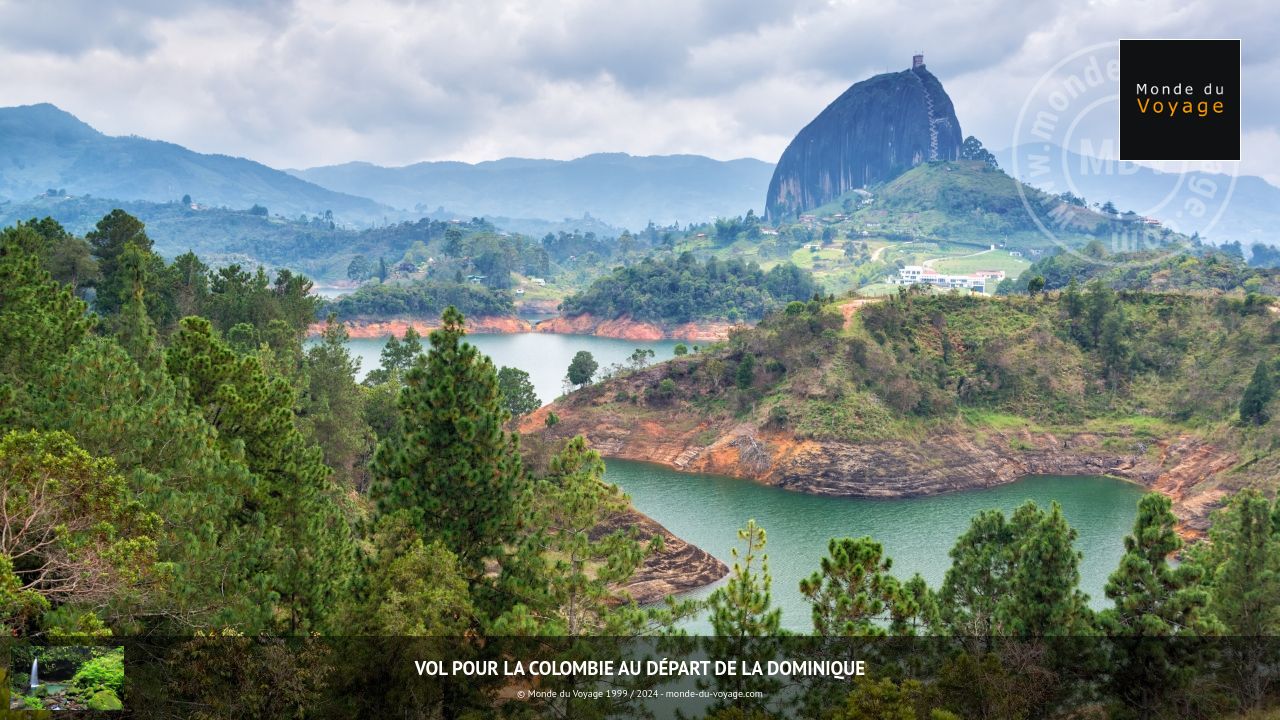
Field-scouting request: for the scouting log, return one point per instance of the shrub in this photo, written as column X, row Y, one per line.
column 779, row 417
column 663, row 393
column 32, row 703
column 105, row 699
column 106, row 671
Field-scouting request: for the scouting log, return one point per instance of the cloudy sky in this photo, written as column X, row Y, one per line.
column 298, row 83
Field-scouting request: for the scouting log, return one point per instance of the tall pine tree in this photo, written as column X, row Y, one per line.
column 452, row 467
column 745, row 623
column 253, row 413
column 1152, row 598
column 982, row 564
column 109, row 240
column 1155, row 607
column 40, row 321
column 1242, row 567
column 1043, row 598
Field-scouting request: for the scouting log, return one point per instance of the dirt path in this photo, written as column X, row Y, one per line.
column 875, row 255
column 929, row 263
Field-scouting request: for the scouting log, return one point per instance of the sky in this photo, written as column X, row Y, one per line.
column 301, row 83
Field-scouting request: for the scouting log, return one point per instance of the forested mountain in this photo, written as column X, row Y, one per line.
column 976, row 203
column 43, row 148
column 623, row 190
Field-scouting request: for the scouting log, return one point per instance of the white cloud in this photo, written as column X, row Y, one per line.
column 312, row 82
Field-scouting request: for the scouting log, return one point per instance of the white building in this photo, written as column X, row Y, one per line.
column 981, row 281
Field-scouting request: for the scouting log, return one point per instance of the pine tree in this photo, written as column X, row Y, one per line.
column 1257, row 395
column 982, row 564
column 211, row 547
column 583, row 567
column 452, row 467
column 109, row 240
column 408, row 588
column 40, row 321
column 312, row 565
column 332, row 409
column 744, row 622
column 133, row 326
column 398, row 356
column 1071, row 300
column 1151, row 598
column 743, row 606
column 854, row 594
column 1043, row 598
column 1015, row 576
column 1152, row 603
column 1242, row 566
column 1246, row 575
column 1098, row 302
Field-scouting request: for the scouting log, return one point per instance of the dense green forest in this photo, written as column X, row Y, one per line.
column 680, row 289
column 213, row 443
column 325, row 250
column 422, row 298
column 175, row 462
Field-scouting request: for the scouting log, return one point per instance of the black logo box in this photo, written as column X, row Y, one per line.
column 1185, row 67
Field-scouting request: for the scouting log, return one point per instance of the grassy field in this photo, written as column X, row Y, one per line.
column 989, row 260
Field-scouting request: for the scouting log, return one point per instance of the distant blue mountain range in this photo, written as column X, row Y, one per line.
column 1252, row 214
column 43, row 148
column 619, row 189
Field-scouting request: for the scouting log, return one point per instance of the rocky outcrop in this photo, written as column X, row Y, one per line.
column 1185, row 468
column 878, row 129
column 680, row 566
column 496, row 325
column 627, row 329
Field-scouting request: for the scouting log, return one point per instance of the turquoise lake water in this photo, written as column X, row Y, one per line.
column 708, row 510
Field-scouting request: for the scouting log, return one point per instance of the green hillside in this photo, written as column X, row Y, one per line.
column 1197, row 268
column 974, row 203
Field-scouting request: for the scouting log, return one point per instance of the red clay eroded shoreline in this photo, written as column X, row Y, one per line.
column 374, row 329
column 622, row 329
column 627, row 329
